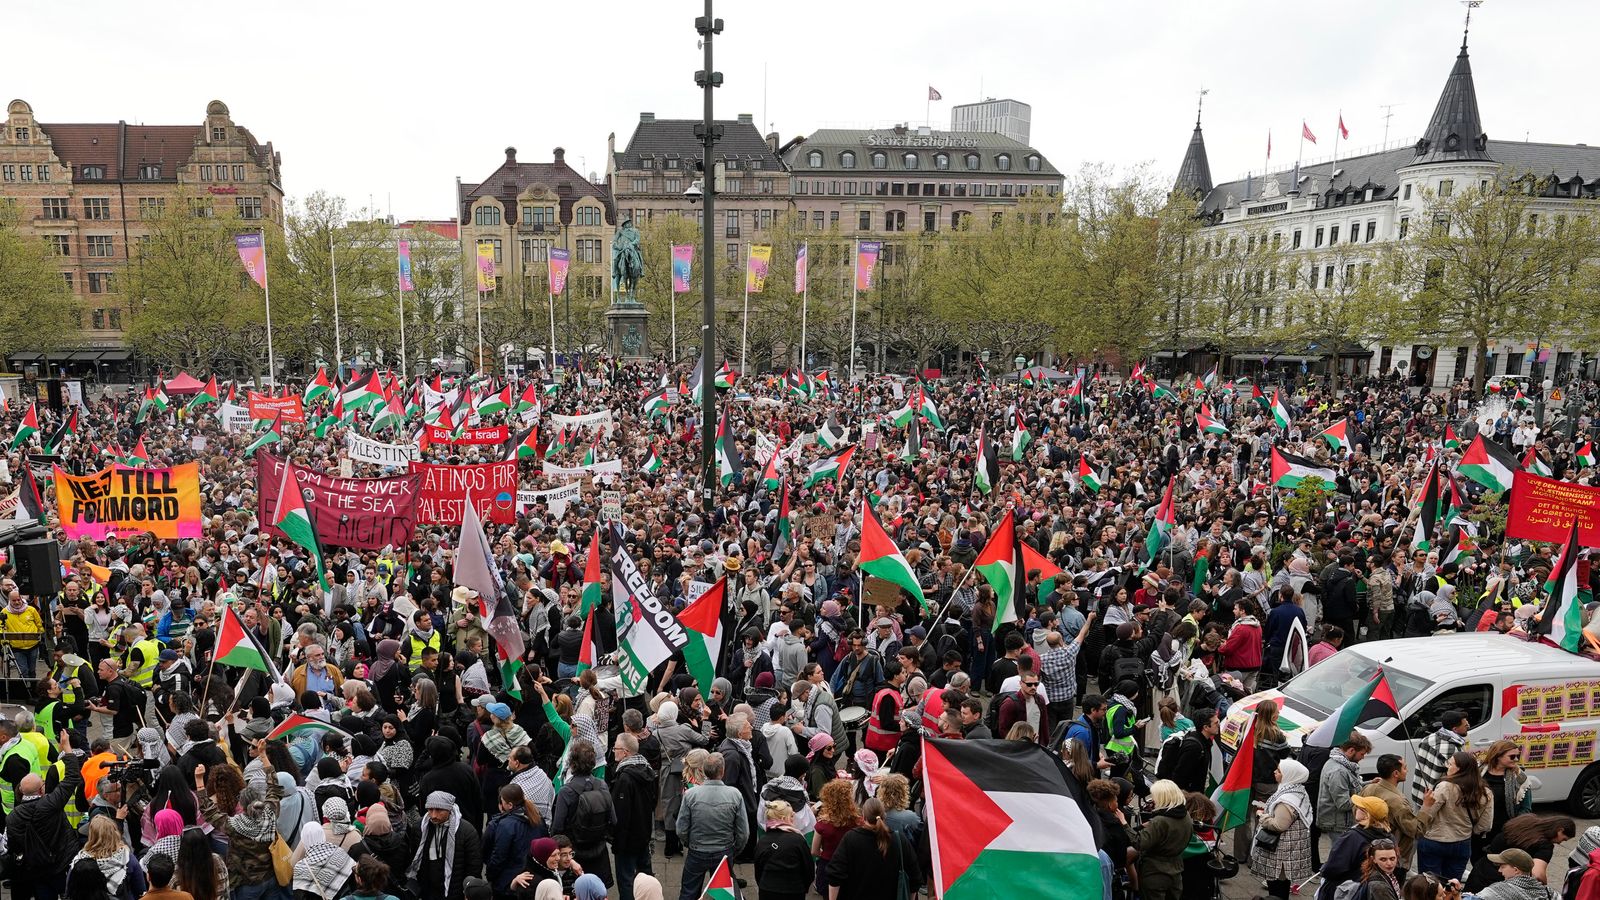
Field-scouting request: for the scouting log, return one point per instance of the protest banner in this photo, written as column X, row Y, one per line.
column 601, row 471
column 497, row 434
column 555, row 499
column 233, row 417
column 610, row 506
column 821, row 527
column 164, row 502
column 367, row 450
column 1542, row 509
column 444, row 490
column 266, row 406
column 589, row 420
column 363, row 513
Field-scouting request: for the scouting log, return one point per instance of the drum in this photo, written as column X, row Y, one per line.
column 854, row 719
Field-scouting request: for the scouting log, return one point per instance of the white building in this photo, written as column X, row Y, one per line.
column 1373, row 198
column 1011, row 118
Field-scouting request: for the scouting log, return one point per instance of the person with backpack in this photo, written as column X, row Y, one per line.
column 1123, row 659
column 1190, row 758
column 1351, row 848
column 584, row 812
column 859, row 675
column 1086, row 730
column 1122, row 728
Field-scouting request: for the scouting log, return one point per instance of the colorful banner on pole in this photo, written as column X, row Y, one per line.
column 866, row 263
column 485, row 266
column 492, row 486
column 559, row 259
column 253, row 253
column 755, row 275
column 128, row 501
column 289, row 408
column 496, row 434
column 682, row 267
column 405, row 266
column 1542, row 509
column 364, row 513
column 800, row 270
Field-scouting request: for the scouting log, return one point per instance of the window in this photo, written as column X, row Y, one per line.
column 1333, row 235
column 1295, row 243
column 249, row 207
column 67, row 278
column 1355, row 232
column 588, row 215
column 1034, row 164
column 1405, row 192
column 27, row 172
column 930, row 220
column 1313, row 278
column 880, row 160
column 151, row 207
column 91, row 172
column 44, row 172
column 800, row 186
column 847, row 159
column 205, row 173
column 816, row 220
column 1447, row 187
column 8, row 172
column 735, row 185
column 731, row 223
column 238, row 173
column 961, row 190
column 641, row 185
column 97, row 208
column 898, row 189
column 589, row 250
column 149, row 172
column 1349, row 274
column 57, row 208
column 912, row 161
column 814, row 159
column 486, row 215
column 218, row 134
column 732, row 254
column 674, row 185
column 59, row 244
column 989, row 190
column 101, row 283
column 1405, row 226
column 1327, row 276
column 882, row 189
column 914, row 190
column 494, row 242
column 673, row 163
column 200, row 207
column 1005, row 190
column 1476, row 700
column 22, row 135
column 972, row 162
column 764, row 220
column 958, row 218
column 833, row 219
column 894, row 220
column 116, row 318
column 764, row 185
column 1003, row 162
column 850, row 188
column 100, row 246
column 864, row 222
column 1372, row 231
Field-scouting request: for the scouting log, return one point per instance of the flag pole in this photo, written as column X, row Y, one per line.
column 744, row 334
column 805, row 299
column 333, row 265
column 272, row 368
column 855, row 293
column 674, row 325
column 1333, row 167
column 400, row 292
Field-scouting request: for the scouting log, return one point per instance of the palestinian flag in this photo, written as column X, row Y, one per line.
column 1001, row 564
column 1021, row 437
column 1033, row 559
column 551, row 388
column 1028, row 377
column 1489, row 464
column 928, row 410
column 653, row 464
column 134, row 458
column 657, row 404
column 1232, row 796
column 1258, row 396
column 1521, row 400
column 299, row 724
column 236, row 647
column 1280, row 412
column 590, row 455
column 703, row 619
column 1087, row 477
column 1560, row 620
column 1075, row 393
column 363, row 392
column 1461, row 543
column 986, row 470
column 155, row 400
column 796, row 383
column 529, row 399
column 496, row 403
column 1289, row 470
column 527, row 446
column 1430, row 506
column 28, row 427
column 334, row 417
column 557, row 445
column 912, row 449
column 720, row 887
column 769, row 476
column 1532, row 463
column 831, row 467
column 319, row 385
column 902, row 417
column 830, row 435
column 780, row 547
column 589, row 649
column 728, row 462
column 880, row 557
column 725, row 377
column 294, row 521
column 1002, row 823
column 68, row 426
column 1157, row 392
column 1210, row 380
column 593, row 576
column 30, row 504
column 272, row 435
column 476, row 568
column 1208, row 425
column 389, row 414
column 1374, row 700
column 208, row 394
column 1451, row 442
column 1586, row 455
column 1337, row 435
column 1166, row 517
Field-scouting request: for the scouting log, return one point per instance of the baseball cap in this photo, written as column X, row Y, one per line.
column 1512, row 856
column 169, row 656
column 500, row 710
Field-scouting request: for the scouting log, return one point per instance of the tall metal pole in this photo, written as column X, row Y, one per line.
column 708, row 79
column 272, row 366
column 333, row 265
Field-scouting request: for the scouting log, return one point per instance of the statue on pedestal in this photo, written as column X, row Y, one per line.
column 627, row 319
column 627, row 262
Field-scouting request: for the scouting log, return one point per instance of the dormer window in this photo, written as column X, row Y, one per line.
column 972, row 162
column 912, row 161
column 880, row 160
column 22, row 135
column 1452, row 143
column 648, row 162
column 91, row 171
column 1003, row 162
column 218, row 134
column 814, row 159
column 1034, row 164
column 847, row 159
column 941, row 161
column 149, row 173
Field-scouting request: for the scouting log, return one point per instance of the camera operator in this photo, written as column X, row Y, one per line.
column 24, row 629
column 40, row 842
column 174, row 676
column 120, row 699
column 112, row 799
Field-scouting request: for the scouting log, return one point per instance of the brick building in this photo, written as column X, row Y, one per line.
column 88, row 188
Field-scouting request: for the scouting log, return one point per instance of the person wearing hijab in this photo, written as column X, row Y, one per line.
column 171, row 792
column 336, row 810
column 383, row 840
column 448, row 774
column 1584, row 859
column 250, row 831
column 169, row 834
column 387, row 676
column 297, row 807
column 1285, row 857
column 589, row 887
column 448, row 850
column 646, row 887
column 320, row 869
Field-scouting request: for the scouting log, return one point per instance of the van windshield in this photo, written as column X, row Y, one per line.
column 1325, row 686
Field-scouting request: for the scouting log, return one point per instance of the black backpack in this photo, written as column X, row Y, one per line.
column 1167, row 761
column 591, row 816
column 991, row 716
column 1127, row 668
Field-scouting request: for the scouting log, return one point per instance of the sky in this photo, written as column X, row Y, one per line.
column 390, row 103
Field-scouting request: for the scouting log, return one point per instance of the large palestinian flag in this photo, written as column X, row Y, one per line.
column 986, row 471
column 1532, row 463
column 1280, row 412
column 1561, row 619
column 1232, row 796
column 880, row 558
column 1430, row 511
column 1337, row 435
column 1001, row 564
column 1166, row 517
column 1489, row 464
column 703, row 619
column 294, row 521
column 235, row 646
column 1374, row 700
column 476, row 568
column 300, row 724
column 1289, row 470
column 1002, row 823
column 830, row 467
column 1033, row 559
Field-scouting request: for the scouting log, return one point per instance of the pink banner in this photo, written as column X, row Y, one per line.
column 866, row 263
column 558, row 270
column 367, row 513
column 492, row 486
column 253, row 253
column 800, row 270
column 682, row 267
column 405, row 266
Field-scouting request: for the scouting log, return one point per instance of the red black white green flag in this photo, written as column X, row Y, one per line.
column 880, row 558
column 1374, row 700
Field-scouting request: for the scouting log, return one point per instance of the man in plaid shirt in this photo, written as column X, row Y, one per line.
column 1058, row 669
column 1434, row 753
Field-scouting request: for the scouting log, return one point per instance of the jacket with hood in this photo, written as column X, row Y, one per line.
column 1166, row 833
column 250, row 837
column 1338, row 593
column 1242, row 650
column 633, row 796
column 38, row 829
column 449, row 774
column 781, row 745
column 790, row 658
column 505, row 846
column 1340, row 780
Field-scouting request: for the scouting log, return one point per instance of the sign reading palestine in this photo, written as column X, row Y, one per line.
column 492, row 486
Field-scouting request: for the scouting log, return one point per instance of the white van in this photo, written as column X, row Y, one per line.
column 1544, row 698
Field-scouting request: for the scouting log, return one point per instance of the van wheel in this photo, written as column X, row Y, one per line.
column 1585, row 799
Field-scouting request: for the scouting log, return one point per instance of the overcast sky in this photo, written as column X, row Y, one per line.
column 396, row 100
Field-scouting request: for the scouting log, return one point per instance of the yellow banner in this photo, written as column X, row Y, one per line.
column 485, row 266
column 755, row 274
column 164, row 502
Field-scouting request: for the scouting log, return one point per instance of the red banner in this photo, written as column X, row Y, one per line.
column 1542, row 509
column 492, row 486
column 365, row 513
column 497, row 434
column 266, row 406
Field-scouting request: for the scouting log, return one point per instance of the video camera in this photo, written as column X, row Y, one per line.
column 133, row 771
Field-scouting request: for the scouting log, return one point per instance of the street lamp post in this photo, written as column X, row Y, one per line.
column 709, row 79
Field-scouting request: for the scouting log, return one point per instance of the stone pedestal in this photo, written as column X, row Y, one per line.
column 628, row 325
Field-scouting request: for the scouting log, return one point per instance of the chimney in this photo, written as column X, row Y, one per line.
column 747, row 118
column 647, row 117
column 772, row 143
column 560, row 155
column 511, row 155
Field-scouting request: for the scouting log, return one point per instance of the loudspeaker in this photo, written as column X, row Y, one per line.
column 38, row 568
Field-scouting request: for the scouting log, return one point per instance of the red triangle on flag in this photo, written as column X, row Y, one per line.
column 963, row 819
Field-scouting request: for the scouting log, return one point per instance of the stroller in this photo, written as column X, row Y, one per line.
column 1204, row 865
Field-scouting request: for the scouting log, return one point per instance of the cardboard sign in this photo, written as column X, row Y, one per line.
column 610, row 506
column 441, row 500
column 882, row 593
column 266, row 406
column 164, row 502
column 821, row 527
column 363, row 513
